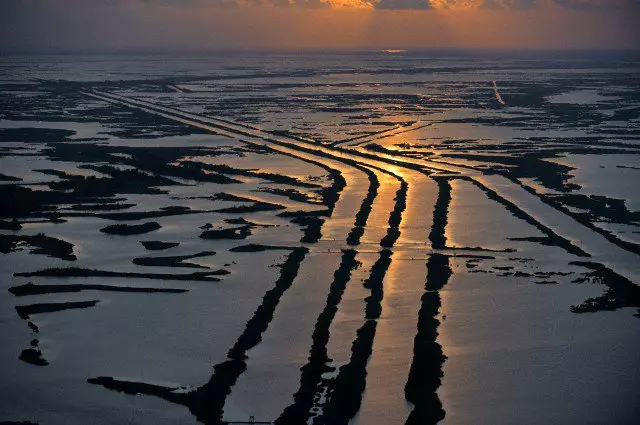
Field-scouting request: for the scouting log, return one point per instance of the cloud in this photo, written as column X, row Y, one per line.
column 509, row 4
column 594, row 5
column 207, row 25
column 403, row 5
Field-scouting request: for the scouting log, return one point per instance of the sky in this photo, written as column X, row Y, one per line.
column 209, row 25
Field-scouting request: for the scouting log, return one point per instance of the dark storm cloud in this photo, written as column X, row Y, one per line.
column 509, row 4
column 602, row 5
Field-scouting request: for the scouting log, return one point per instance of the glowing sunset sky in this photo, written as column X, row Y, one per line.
column 316, row 24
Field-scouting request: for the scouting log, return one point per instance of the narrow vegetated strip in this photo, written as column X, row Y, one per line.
column 365, row 208
column 517, row 212
column 164, row 112
column 351, row 379
column 42, row 245
column 621, row 292
column 365, row 136
column 312, row 371
column 395, row 218
column 264, row 314
column 174, row 261
column 350, row 382
column 207, row 402
column 440, row 213
column 379, row 135
column 231, row 127
column 311, row 379
column 141, row 215
column 318, row 359
column 312, row 221
column 131, row 229
column 428, row 358
column 345, row 156
column 626, row 245
column 300, row 144
column 79, row 272
column 273, row 177
column 345, row 390
column 25, row 311
column 330, row 195
column 31, row 289
column 345, row 393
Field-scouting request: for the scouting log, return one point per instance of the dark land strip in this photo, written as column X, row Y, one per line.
column 79, row 272
column 31, row 289
column 207, row 402
column 428, row 358
column 174, row 261
column 227, row 373
column 584, row 219
column 312, row 382
column 344, row 391
column 426, row 371
column 554, row 238
column 42, row 244
column 440, row 213
column 620, row 293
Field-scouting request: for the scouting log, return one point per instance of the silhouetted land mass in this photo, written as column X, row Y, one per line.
column 207, row 401
column 230, row 233
column 317, row 364
column 438, row 230
column 596, row 209
column 174, row 261
column 257, row 206
column 621, row 291
column 79, row 272
column 276, row 178
column 293, row 194
column 121, row 181
column 365, row 209
column 42, row 244
column 374, row 283
column 101, row 207
column 312, row 227
column 243, row 221
column 527, row 165
column 25, row 311
column 158, row 245
column 426, row 372
column 10, row 225
column 141, row 215
column 35, row 135
column 162, row 161
column 347, row 389
column 31, row 289
column 252, row 247
column 311, row 220
column 149, row 167
column 517, row 212
column 395, row 218
column 33, row 356
column 131, row 229
column 344, row 392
